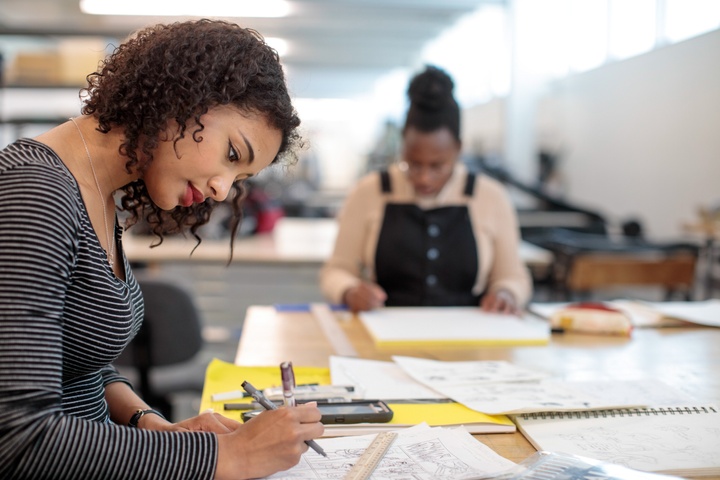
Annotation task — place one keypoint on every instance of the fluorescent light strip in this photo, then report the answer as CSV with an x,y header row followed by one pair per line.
x,y
195,8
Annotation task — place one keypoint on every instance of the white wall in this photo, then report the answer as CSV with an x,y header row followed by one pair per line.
x,y
641,136
483,128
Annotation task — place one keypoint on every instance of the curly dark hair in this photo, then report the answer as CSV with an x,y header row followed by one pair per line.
x,y
178,72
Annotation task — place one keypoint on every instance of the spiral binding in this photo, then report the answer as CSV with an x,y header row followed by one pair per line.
x,y
618,412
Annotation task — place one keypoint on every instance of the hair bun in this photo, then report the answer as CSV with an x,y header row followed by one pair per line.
x,y
431,89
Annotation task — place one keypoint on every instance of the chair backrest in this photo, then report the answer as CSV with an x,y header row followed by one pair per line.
x,y
171,331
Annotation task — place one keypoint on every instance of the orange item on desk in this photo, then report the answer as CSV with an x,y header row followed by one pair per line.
x,y
590,317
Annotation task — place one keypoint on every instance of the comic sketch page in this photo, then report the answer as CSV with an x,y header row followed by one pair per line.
x,y
563,396
436,373
417,453
672,440
497,388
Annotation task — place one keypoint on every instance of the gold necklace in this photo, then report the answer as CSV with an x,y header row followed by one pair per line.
x,y
108,233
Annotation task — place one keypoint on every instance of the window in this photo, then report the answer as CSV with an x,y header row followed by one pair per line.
x,y
688,18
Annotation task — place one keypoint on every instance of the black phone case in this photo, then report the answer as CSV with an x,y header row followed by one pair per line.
x,y
383,413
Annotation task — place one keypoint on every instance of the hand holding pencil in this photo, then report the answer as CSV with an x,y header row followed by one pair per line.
x,y
270,442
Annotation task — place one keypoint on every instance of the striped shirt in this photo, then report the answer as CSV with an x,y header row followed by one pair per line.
x,y
64,318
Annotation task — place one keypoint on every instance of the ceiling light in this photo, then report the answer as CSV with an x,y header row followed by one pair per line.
x,y
204,8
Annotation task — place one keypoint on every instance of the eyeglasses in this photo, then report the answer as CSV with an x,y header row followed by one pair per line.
x,y
434,170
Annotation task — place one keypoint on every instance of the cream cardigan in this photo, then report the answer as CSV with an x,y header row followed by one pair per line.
x,y
493,218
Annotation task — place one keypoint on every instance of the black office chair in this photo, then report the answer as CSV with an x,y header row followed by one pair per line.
x,y
170,337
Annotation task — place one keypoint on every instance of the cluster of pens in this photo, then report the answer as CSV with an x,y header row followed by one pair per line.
x,y
288,385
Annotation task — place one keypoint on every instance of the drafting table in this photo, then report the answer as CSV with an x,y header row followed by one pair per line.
x,y
685,358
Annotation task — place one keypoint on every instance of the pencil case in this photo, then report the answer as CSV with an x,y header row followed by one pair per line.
x,y
589,317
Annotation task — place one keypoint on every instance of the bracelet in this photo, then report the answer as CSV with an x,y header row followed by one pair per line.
x,y
139,414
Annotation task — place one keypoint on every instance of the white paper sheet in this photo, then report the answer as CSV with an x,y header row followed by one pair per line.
x,y
684,442
703,313
485,393
436,374
376,379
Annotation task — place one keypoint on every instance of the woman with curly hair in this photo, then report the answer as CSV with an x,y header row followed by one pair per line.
x,y
426,232
175,119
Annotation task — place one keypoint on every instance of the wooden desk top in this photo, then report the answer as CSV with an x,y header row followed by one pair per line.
x,y
685,358
292,241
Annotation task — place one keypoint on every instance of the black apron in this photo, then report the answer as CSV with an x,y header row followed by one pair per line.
x,y
427,257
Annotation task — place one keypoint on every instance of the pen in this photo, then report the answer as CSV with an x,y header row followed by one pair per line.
x,y
223,396
255,405
288,383
268,405
242,406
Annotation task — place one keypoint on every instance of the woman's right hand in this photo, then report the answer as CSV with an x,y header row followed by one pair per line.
x,y
271,442
364,296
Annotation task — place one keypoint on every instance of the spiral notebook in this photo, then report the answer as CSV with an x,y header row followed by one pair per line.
x,y
681,441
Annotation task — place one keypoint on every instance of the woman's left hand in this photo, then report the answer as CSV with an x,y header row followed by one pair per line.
x,y
209,422
205,422
500,301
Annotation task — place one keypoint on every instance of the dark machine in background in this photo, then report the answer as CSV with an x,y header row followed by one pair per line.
x,y
589,255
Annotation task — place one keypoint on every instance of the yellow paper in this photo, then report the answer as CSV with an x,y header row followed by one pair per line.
x,y
225,377
440,414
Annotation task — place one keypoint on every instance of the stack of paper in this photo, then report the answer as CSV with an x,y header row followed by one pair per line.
x,y
451,326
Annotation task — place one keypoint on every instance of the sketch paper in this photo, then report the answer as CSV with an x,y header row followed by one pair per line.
x,y
485,393
451,326
517,397
377,379
417,453
436,373
648,392
555,395
679,441
703,313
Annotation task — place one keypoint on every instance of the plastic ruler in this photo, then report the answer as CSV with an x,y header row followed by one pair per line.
x,y
333,332
370,458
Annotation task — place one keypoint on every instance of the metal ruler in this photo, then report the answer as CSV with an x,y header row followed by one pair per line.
x,y
333,332
370,458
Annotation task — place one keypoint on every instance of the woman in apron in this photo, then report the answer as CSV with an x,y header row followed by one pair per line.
x,y
426,232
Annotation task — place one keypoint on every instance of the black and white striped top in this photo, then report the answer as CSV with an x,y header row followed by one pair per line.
x,y
64,317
